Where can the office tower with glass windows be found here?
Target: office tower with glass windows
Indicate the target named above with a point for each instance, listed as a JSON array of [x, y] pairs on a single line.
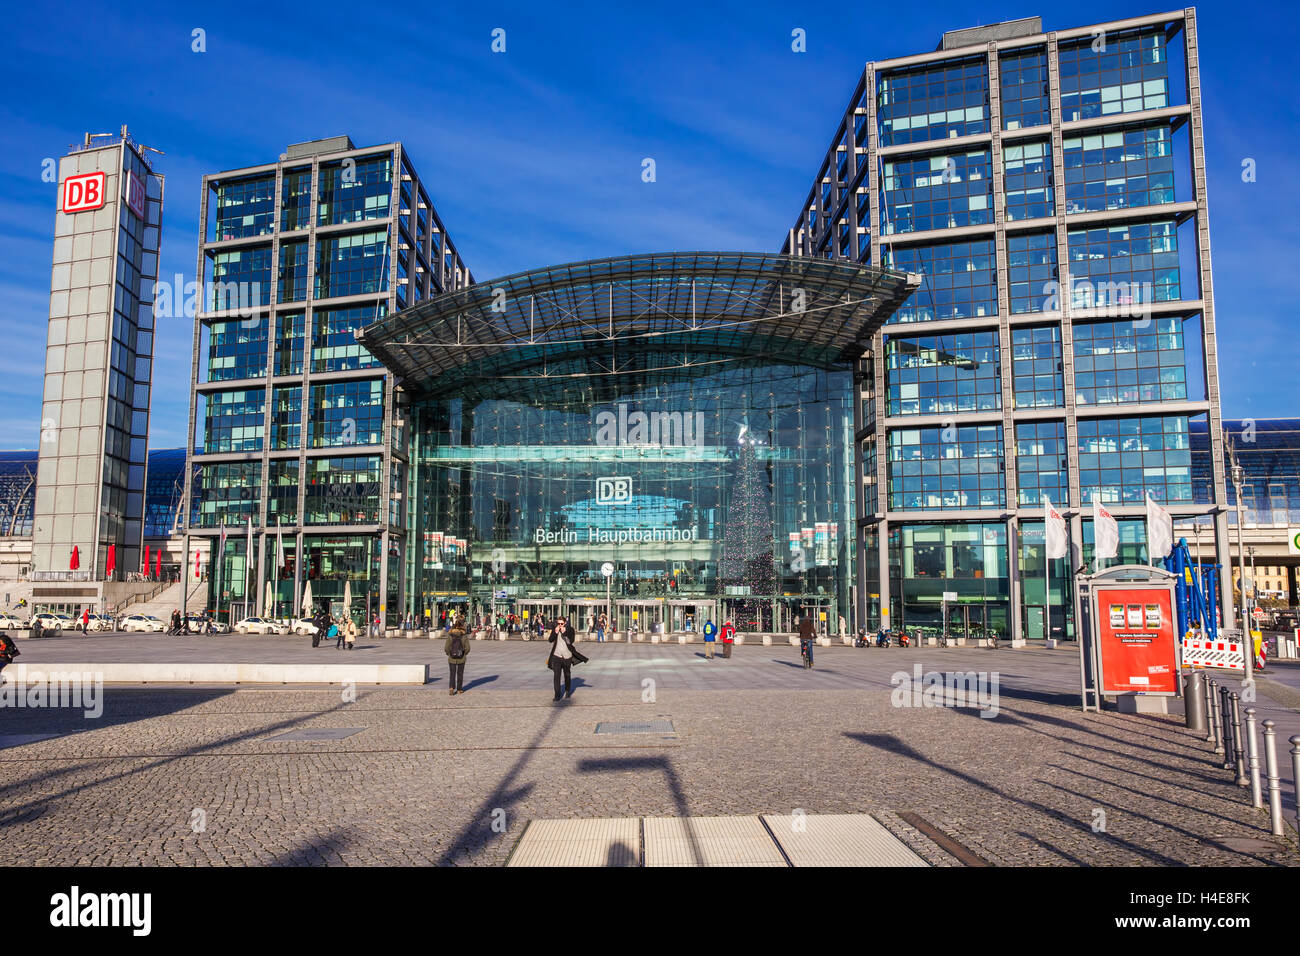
[[297, 428], [1050, 187], [94, 429]]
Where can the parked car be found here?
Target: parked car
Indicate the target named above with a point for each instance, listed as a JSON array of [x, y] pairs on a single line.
[[48, 621], [142, 623], [304, 626], [10, 623], [97, 622], [260, 625], [199, 625]]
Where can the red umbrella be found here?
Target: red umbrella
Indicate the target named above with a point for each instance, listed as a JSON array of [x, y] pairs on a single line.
[[158, 563], [112, 560], [146, 560], [75, 563]]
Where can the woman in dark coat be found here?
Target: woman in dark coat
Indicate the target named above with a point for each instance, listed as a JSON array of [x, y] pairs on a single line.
[[563, 656]]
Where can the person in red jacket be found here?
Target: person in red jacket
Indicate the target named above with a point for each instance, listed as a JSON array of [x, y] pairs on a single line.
[[728, 638]]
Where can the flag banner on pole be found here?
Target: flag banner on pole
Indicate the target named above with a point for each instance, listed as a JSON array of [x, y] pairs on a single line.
[[198, 563], [111, 565], [1105, 531], [1160, 530], [1055, 523], [279, 545]]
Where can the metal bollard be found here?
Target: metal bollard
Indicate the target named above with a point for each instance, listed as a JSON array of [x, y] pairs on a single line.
[[1216, 721], [1252, 757], [1194, 701], [1208, 686], [1238, 741], [1274, 782], [1225, 713], [1295, 774]]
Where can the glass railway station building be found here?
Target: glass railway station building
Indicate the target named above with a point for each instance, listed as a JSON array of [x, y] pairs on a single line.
[[685, 421], [998, 287]]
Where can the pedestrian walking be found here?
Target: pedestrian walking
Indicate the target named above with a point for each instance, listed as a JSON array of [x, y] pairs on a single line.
[[85, 620], [456, 647], [335, 635], [562, 657], [8, 651], [350, 635], [728, 638], [176, 622], [710, 638], [601, 623]]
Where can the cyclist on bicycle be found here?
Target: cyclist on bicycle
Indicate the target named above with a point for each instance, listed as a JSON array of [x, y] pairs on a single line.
[[806, 639]]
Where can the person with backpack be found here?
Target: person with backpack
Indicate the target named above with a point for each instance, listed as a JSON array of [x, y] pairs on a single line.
[[8, 651], [456, 647], [728, 638], [710, 638], [335, 634]]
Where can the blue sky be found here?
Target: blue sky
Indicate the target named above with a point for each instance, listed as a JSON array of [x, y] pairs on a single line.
[[534, 156]]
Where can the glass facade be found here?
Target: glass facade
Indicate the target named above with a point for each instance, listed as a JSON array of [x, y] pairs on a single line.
[[1126, 73], [1129, 361], [937, 192], [959, 280], [1122, 459], [1027, 168], [967, 558], [1041, 463], [723, 494], [1118, 169], [933, 102], [950, 467], [944, 373]]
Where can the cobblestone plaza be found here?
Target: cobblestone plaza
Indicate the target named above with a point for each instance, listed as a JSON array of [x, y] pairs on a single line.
[[411, 776]]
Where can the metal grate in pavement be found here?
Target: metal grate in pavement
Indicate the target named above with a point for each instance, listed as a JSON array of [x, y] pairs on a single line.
[[318, 733], [598, 842], [635, 727], [709, 841], [839, 839]]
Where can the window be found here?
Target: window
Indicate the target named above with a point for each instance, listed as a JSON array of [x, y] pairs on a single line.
[[295, 200], [959, 280], [289, 343], [286, 418], [937, 192], [943, 373], [1119, 169], [946, 468], [237, 350], [228, 493], [292, 285], [334, 346], [1125, 458], [347, 413], [1037, 380], [282, 494], [1041, 463], [352, 265], [343, 490], [355, 190], [1031, 267], [1024, 87], [1129, 73], [933, 102], [1122, 266], [245, 207], [234, 420], [241, 280], [1028, 180], [1127, 361]]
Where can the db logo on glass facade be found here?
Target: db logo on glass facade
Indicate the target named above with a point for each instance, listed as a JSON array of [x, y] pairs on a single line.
[[610, 491], [82, 193]]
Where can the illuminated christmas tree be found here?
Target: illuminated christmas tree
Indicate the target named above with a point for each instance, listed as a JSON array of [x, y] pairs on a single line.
[[747, 536]]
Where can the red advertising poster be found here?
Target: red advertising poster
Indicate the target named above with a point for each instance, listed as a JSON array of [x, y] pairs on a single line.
[[1135, 630]]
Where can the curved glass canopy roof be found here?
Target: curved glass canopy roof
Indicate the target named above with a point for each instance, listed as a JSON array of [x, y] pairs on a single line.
[[615, 321]]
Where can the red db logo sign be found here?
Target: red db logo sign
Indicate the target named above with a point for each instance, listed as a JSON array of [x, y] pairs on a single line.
[[82, 193]]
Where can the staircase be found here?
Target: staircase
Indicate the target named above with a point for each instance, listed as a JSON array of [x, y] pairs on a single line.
[[169, 600]]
